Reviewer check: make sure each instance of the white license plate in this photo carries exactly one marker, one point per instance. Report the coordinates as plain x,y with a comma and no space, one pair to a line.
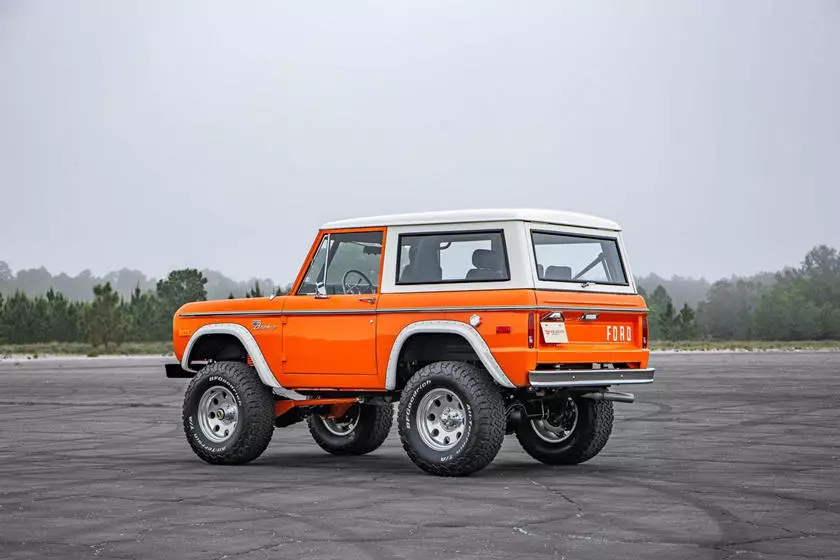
554,332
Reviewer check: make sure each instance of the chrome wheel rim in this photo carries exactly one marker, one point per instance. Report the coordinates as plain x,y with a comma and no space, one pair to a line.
218,414
556,428
343,426
441,419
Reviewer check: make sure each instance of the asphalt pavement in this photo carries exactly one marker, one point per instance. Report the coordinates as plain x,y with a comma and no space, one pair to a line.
724,456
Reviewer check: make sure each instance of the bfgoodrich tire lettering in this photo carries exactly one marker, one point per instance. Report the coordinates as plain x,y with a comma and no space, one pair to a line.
590,435
482,417
372,426
254,408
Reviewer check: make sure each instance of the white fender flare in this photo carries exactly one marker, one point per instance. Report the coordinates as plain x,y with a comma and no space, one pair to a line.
472,336
251,346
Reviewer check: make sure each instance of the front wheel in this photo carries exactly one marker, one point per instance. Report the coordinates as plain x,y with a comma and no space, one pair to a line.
571,431
228,414
451,419
362,429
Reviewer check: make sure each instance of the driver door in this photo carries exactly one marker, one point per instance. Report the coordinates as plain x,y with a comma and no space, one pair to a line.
330,319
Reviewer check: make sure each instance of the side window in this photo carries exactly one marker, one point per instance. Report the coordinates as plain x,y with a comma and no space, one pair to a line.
469,256
345,263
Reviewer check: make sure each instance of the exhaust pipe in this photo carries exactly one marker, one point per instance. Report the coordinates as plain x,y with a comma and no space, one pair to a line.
610,396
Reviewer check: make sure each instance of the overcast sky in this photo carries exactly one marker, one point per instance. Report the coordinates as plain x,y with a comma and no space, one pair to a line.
159,135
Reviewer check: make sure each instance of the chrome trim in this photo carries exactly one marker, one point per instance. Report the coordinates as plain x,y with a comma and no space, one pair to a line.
454,327
251,346
596,309
279,313
415,310
456,309
230,313
469,309
589,377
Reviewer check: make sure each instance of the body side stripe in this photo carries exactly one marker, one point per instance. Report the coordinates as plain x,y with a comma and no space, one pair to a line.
467,309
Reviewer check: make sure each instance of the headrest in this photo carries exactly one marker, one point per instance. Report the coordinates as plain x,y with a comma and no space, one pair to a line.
558,273
485,258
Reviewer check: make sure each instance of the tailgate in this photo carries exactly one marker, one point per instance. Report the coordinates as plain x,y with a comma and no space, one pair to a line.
588,328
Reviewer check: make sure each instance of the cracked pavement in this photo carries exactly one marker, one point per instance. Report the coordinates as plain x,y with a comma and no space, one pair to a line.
724,456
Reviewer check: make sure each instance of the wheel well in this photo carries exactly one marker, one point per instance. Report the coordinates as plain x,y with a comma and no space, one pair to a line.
218,347
422,349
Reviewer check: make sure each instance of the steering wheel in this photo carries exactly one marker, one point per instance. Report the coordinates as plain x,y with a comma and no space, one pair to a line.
354,288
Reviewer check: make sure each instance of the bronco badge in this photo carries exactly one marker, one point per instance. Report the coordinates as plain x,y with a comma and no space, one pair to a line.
257,325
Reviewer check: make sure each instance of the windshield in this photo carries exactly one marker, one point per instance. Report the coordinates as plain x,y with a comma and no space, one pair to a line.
563,257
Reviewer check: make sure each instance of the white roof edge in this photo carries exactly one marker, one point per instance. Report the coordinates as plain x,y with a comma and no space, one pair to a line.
557,217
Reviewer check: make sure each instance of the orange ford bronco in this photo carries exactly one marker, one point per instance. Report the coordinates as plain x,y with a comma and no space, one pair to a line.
477,323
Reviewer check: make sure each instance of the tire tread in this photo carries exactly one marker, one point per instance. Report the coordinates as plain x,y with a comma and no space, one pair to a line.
376,432
257,399
488,416
587,445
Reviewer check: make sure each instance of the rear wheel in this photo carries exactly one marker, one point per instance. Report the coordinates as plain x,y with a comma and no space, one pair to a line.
571,431
362,429
451,419
228,414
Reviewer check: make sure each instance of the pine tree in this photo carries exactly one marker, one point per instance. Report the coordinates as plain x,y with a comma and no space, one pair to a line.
254,292
105,322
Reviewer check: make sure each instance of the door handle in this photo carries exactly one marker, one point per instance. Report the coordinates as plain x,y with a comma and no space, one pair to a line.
370,300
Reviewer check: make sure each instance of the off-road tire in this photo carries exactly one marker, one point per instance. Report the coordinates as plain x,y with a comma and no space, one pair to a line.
370,432
594,426
255,421
484,427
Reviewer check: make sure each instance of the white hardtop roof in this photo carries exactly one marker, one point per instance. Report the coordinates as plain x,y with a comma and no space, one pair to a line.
479,215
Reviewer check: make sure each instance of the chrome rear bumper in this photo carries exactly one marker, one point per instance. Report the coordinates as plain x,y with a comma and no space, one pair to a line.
589,377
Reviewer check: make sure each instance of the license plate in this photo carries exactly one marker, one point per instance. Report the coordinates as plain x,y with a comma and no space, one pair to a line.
554,332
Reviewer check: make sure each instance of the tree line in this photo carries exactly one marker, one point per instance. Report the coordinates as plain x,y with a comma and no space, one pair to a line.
38,281
800,303
109,318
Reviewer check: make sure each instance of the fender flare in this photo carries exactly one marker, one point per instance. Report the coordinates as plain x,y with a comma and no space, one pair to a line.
464,330
250,344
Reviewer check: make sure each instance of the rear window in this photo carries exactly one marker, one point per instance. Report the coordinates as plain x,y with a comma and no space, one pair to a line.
464,256
562,257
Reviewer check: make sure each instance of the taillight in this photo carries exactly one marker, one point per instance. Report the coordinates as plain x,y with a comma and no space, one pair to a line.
644,331
530,330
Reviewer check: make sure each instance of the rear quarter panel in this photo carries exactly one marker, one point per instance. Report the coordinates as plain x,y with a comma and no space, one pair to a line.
510,349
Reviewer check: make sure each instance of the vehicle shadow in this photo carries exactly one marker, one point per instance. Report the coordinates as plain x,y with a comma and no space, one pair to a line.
400,465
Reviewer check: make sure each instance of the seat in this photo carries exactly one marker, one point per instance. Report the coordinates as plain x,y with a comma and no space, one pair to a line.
558,273
422,264
487,266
